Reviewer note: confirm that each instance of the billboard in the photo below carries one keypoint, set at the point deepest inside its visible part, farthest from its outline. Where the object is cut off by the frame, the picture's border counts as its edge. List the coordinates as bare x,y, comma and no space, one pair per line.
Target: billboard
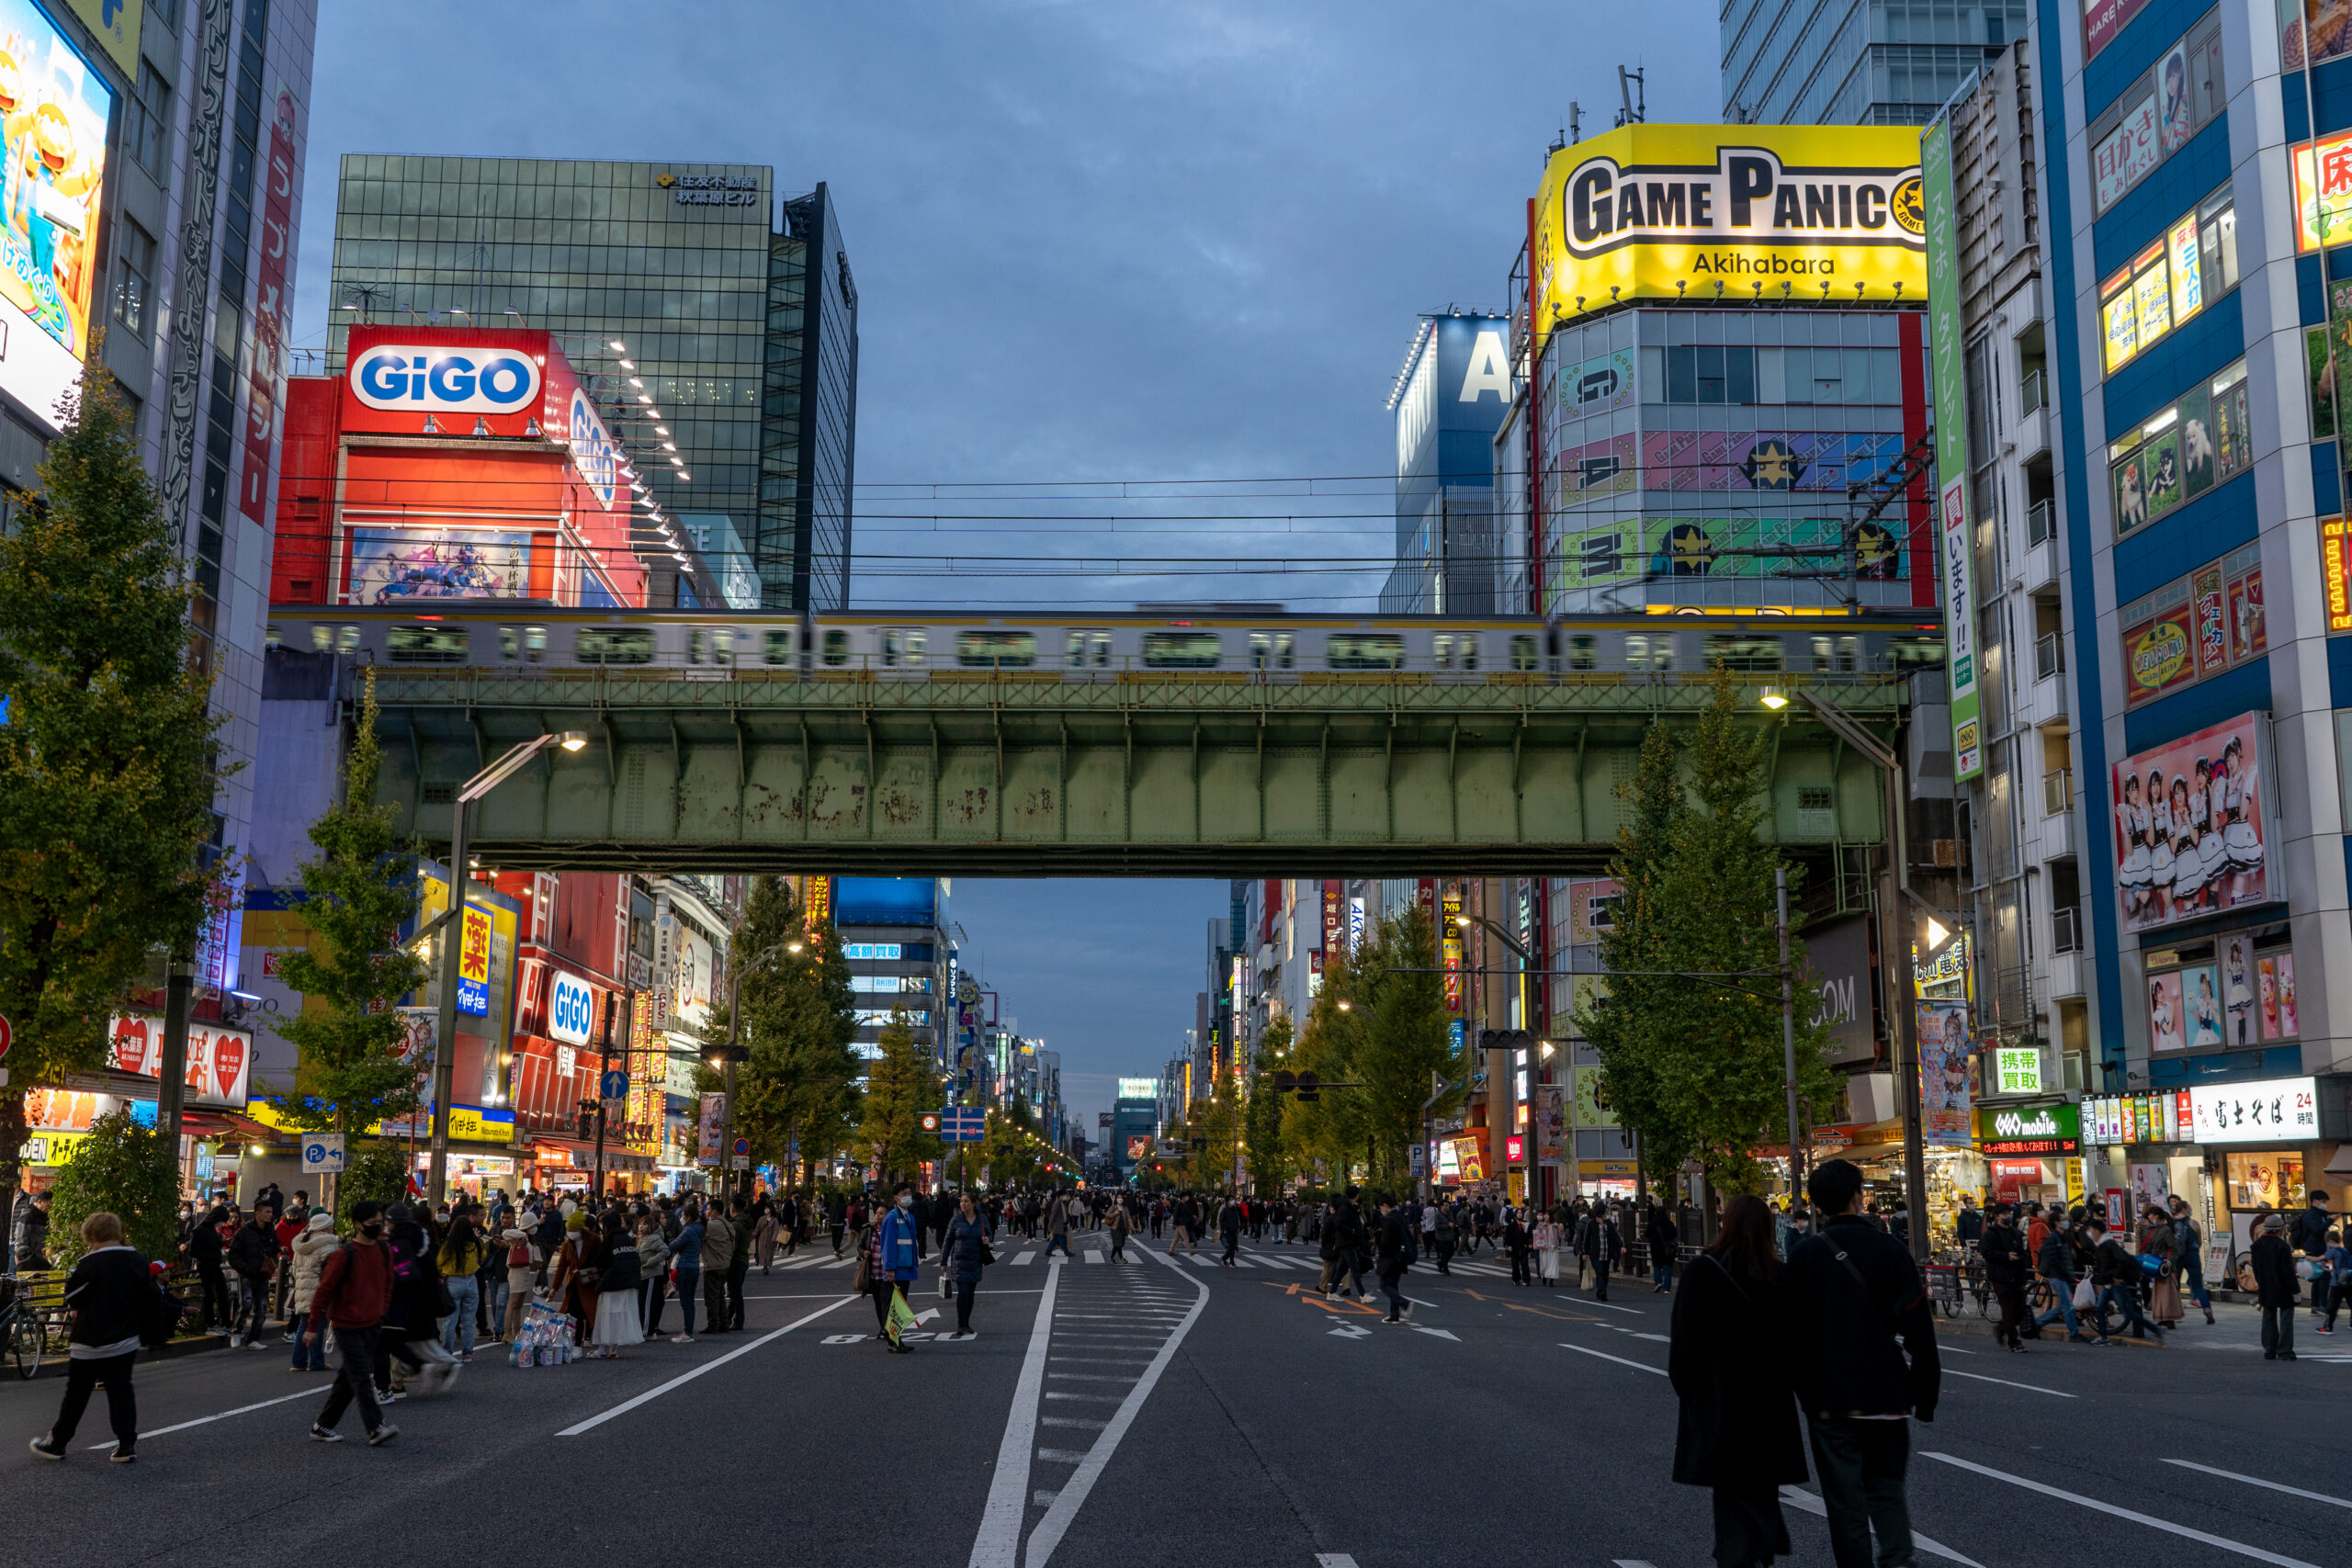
1837,954
53,115
886,901
391,566
1139,1088
1959,557
1706,211
219,1061
690,982
2193,834
571,1009
1945,1100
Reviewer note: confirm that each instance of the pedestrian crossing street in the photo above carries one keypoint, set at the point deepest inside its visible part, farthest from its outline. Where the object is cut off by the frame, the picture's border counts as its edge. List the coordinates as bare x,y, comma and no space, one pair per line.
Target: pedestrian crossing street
1305,1259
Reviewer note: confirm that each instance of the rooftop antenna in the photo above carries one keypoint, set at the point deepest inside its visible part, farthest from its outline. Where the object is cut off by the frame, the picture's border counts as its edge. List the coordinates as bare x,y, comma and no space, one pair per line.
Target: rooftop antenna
1631,95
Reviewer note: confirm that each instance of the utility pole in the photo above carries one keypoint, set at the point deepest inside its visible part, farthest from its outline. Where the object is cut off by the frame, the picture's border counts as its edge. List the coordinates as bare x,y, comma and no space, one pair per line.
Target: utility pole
1788,1030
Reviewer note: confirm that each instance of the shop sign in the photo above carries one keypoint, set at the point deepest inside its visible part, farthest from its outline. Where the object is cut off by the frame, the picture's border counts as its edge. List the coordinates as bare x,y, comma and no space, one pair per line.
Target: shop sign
2017,1070
2275,1110
2032,1130
473,964
571,1008
219,1061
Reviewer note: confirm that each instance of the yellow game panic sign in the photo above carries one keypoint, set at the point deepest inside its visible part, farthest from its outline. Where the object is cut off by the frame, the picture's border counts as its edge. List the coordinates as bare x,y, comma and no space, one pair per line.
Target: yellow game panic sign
1770,213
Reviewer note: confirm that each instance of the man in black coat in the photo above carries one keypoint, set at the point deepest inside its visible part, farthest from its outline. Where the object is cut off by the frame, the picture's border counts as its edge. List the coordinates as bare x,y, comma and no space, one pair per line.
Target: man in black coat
2308,1235
1597,1238
1396,1245
1865,1359
2275,1288
2005,1265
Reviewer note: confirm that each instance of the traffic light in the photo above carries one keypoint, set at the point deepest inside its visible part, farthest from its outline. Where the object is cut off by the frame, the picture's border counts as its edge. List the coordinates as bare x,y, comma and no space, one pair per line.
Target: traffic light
1506,1040
722,1054
584,1123
1309,1086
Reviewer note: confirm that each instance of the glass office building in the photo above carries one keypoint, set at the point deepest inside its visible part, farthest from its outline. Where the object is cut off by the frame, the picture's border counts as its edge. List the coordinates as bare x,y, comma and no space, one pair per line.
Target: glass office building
1838,63
742,334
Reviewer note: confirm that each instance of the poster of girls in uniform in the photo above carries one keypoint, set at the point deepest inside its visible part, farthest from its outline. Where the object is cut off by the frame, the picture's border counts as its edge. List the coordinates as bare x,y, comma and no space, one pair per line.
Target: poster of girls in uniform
2192,832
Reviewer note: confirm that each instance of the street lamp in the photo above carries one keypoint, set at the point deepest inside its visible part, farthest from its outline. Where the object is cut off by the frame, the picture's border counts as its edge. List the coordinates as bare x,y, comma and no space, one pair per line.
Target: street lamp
444,1041
1892,898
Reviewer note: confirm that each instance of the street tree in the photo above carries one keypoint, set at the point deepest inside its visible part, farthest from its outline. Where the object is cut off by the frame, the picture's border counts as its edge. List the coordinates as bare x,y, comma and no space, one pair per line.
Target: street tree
354,1067
108,761
901,1085
1626,1018
1261,1138
1387,1040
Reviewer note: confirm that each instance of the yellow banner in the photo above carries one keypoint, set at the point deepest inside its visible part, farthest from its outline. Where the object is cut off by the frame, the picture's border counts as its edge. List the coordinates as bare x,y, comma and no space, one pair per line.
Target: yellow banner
1737,212
115,24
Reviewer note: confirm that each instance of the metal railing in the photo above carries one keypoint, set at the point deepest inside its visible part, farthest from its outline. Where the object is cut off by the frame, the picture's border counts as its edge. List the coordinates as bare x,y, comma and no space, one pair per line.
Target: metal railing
2041,522
2066,930
2057,791
2033,391
2049,656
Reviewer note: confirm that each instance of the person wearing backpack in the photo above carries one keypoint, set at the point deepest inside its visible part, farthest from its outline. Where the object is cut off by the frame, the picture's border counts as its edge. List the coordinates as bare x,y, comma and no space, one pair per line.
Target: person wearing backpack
116,1306
355,1293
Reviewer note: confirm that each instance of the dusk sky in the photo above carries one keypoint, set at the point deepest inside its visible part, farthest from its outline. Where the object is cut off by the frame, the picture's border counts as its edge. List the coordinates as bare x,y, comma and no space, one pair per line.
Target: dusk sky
1095,245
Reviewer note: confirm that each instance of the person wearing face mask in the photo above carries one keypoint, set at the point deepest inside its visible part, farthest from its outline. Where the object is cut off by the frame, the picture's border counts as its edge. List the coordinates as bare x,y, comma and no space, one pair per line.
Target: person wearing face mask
895,1255
2057,1262
354,1290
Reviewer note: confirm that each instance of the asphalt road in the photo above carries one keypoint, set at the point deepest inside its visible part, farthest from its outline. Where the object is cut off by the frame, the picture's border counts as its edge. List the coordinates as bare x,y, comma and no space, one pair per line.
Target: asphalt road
1177,1413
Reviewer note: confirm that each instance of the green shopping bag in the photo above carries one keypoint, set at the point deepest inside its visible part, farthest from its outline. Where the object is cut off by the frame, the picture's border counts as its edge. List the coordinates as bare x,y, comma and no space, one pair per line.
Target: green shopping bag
902,1316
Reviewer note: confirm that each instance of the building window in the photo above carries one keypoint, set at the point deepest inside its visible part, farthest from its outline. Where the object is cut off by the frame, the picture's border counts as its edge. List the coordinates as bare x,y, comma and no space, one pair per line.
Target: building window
136,272
147,121
2191,265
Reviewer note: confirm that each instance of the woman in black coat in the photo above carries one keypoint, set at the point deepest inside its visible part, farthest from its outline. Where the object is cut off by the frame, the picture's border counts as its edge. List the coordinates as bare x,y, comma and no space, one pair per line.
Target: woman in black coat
1737,1431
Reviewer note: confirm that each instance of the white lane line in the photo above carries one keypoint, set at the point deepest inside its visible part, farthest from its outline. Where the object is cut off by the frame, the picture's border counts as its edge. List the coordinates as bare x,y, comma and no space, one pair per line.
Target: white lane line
1062,1456
1630,1562
310,1392
683,1378
2030,1388
2084,1500
998,1543
1334,1560
1637,1366
1057,1522
1796,1497
1608,1306
2226,1475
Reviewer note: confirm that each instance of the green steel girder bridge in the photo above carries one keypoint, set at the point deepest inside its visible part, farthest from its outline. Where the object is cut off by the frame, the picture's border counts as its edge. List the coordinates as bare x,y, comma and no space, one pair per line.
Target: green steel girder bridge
1038,773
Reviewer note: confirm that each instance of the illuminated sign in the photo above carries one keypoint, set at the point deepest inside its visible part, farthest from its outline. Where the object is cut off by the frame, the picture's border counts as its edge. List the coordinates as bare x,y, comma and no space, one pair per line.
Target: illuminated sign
712,190
594,451
1139,1088
2017,1068
2041,1129
876,951
54,137
2323,192
1959,586
473,964
219,1061
571,1008
2275,1110
2335,571
1687,211
421,379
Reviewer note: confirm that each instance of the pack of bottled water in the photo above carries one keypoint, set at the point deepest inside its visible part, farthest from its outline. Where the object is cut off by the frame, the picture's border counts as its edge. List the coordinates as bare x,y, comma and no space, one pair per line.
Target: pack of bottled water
547,1339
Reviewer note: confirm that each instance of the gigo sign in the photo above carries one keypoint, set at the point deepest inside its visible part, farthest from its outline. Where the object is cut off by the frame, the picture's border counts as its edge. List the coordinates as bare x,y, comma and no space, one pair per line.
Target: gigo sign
594,451
445,380
571,1008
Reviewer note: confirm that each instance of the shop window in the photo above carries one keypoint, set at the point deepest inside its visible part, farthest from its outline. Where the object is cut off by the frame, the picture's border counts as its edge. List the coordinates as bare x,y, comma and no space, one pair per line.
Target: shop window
2198,441
2192,264
2272,1179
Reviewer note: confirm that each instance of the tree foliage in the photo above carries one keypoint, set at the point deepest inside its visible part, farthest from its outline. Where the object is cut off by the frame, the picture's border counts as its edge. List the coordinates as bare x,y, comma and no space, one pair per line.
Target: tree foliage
1695,1064
376,1168
801,1081
901,1085
108,765
360,888
1263,1155
124,1169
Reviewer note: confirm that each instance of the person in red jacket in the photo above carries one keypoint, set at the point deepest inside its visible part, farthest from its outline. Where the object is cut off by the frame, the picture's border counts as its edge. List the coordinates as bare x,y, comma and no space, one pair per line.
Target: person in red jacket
355,1293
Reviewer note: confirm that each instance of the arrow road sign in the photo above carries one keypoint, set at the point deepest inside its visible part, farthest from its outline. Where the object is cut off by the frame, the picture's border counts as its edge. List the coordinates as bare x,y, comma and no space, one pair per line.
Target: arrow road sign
614,1085
323,1154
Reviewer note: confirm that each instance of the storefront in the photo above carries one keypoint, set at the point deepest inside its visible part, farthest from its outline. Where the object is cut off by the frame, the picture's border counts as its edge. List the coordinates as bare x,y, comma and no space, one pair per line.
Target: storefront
2032,1153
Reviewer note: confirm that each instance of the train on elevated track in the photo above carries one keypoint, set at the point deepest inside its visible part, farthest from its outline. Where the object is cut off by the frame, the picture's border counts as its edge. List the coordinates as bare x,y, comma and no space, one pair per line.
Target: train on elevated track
1226,641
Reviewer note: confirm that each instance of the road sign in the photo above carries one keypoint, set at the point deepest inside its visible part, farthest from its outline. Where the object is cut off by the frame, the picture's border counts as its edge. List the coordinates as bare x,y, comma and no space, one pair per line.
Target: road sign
323,1154
614,1085
742,1147
7,1035
963,1124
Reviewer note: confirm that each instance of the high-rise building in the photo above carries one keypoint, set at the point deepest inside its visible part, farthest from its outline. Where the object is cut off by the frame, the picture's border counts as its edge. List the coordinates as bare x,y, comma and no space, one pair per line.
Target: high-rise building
893,931
1878,63
730,317
1450,398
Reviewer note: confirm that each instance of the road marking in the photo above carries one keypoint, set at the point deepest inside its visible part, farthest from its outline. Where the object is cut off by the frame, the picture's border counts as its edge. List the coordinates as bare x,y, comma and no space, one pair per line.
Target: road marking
1664,1339
1633,1563
716,1361
1094,1257
1087,1398
1796,1497
998,1545
1608,1306
1441,1333
1089,1377
1637,1366
1980,1377
2084,1500
2226,1474
1351,1331
1024,1258
1072,1421
310,1392
1062,1456
1334,1560
1057,1522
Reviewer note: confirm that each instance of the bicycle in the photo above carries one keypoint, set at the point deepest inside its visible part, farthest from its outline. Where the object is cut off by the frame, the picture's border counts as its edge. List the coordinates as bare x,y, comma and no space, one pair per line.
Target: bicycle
27,1321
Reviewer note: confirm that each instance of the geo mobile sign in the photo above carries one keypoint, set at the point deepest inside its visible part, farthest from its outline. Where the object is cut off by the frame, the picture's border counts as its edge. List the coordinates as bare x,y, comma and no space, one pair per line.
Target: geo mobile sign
1951,453
1747,213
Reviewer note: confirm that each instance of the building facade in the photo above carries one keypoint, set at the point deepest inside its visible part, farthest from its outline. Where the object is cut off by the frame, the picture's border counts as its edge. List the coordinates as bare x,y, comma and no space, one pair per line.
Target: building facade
729,318
1876,63
1453,555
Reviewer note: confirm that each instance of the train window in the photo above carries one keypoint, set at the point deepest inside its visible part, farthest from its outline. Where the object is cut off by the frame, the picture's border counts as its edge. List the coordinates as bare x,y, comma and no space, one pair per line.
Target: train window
426,645
1271,651
613,644
1085,648
715,645
1584,651
837,647
338,639
1837,653
1752,654
903,646
996,651
1523,654
779,646
269,635
1649,650
526,643
1181,650
1914,652
1365,650
1456,650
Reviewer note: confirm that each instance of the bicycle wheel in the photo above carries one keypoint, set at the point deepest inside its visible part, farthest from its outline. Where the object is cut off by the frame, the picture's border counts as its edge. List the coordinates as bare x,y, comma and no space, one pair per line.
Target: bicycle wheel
25,1343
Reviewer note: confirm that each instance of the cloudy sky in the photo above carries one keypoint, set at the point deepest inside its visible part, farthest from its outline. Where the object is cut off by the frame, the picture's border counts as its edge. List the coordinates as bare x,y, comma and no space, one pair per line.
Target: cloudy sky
1098,247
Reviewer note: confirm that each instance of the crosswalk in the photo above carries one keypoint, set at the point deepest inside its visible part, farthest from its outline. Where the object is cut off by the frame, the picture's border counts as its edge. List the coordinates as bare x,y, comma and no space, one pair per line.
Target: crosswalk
1305,1259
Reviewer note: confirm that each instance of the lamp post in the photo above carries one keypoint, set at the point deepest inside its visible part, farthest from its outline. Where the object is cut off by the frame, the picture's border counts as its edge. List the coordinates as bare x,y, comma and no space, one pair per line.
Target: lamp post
445,1040
736,1051
1894,958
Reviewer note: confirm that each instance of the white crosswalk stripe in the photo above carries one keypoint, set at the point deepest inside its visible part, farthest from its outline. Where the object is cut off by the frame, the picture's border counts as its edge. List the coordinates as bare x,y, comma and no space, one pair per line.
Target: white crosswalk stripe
1026,1257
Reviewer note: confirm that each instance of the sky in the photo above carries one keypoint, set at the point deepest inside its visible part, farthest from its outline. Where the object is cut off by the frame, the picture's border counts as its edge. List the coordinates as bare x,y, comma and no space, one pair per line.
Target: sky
1099,247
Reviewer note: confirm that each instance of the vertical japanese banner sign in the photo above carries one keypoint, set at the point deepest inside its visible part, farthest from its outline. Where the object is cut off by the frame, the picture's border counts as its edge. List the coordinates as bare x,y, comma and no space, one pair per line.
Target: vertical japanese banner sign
473,964
1450,937
269,313
818,904
1951,450
1334,919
